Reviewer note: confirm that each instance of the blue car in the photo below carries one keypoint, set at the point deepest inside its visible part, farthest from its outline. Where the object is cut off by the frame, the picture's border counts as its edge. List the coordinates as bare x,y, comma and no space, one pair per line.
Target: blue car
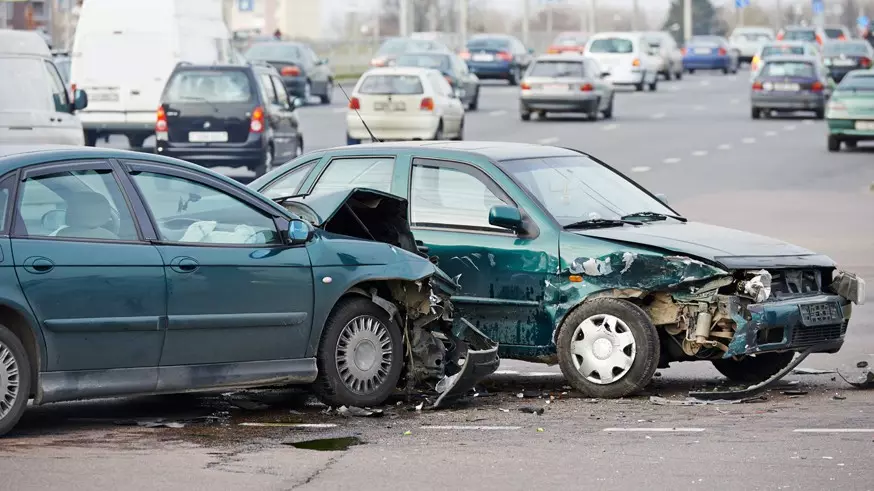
709,53
497,56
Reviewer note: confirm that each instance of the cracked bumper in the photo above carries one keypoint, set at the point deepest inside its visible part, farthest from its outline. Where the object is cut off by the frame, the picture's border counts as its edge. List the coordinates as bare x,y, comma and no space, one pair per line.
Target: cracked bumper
477,359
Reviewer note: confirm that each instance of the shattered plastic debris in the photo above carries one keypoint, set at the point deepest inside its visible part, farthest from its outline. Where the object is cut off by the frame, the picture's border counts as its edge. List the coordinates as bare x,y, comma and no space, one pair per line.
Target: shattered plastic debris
794,392
838,397
810,371
691,401
359,412
540,430
420,406
531,410
867,382
503,410
408,433
248,405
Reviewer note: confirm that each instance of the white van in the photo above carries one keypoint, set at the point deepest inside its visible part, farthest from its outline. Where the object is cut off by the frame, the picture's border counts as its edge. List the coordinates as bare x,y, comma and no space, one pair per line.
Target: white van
628,58
124,50
35,107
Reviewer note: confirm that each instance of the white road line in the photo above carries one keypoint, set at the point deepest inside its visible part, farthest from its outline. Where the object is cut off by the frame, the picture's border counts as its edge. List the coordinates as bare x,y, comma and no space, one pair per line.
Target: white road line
642,168
506,372
671,160
770,133
724,146
610,127
699,153
834,430
499,112
705,82
292,425
548,141
480,428
657,430
674,88
339,110
749,140
789,127
658,116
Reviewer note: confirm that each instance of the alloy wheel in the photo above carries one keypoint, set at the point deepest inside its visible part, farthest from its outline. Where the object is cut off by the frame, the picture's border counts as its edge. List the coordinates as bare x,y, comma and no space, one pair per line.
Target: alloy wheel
9,381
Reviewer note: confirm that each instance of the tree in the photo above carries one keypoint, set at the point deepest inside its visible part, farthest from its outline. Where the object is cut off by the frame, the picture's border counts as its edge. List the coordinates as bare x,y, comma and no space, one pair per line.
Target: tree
705,19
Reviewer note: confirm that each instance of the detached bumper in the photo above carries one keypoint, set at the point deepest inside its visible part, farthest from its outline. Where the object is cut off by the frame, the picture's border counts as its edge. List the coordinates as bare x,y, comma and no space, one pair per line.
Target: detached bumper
478,359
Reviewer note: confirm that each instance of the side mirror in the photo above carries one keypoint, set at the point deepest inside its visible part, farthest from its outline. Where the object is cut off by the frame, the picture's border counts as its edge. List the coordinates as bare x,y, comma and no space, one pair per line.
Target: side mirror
507,217
531,51
299,232
605,74
80,100
296,102
662,198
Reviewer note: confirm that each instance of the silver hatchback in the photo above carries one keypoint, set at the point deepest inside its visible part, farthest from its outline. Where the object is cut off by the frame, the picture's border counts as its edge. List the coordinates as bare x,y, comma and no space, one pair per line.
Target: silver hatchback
566,83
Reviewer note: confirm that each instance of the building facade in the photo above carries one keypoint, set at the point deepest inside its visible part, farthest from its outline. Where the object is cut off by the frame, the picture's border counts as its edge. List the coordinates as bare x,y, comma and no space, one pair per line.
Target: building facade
299,19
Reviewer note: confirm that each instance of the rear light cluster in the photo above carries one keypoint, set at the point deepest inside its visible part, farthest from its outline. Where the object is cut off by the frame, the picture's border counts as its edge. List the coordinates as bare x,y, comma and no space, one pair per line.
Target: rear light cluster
636,62
290,71
525,86
354,103
722,52
586,88
758,86
465,55
504,56
863,62
256,125
427,104
817,87
683,50
161,121
818,39
780,36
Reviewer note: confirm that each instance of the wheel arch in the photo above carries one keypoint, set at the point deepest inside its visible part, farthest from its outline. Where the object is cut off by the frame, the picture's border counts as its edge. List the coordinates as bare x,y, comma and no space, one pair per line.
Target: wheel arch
25,328
631,295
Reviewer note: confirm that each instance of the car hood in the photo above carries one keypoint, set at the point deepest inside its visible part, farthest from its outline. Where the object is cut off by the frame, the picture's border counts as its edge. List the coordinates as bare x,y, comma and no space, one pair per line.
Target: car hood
729,248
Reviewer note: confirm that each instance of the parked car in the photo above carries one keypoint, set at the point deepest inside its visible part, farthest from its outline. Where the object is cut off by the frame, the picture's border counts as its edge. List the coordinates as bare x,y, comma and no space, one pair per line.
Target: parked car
403,103
260,295
35,106
228,116
850,111
628,57
842,57
393,47
780,48
303,72
670,55
807,34
789,84
562,258
747,41
566,84
497,56
710,53
453,68
568,42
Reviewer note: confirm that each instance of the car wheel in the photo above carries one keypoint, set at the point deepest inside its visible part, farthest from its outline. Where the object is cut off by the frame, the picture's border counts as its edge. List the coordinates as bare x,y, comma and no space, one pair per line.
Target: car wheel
136,141
608,348
360,356
298,149
14,380
474,103
691,71
329,93
639,87
266,162
756,113
608,113
667,75
654,85
679,75
820,114
834,144
525,116
725,71
90,138
753,369
460,135
851,144
594,111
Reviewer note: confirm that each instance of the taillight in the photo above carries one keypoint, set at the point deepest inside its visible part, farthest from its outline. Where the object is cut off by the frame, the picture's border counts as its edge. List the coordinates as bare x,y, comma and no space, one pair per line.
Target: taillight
465,55
636,62
427,104
73,88
865,62
504,56
758,86
525,86
587,88
818,39
842,38
780,36
683,50
257,123
378,62
161,120
553,51
354,103
817,87
722,52
290,71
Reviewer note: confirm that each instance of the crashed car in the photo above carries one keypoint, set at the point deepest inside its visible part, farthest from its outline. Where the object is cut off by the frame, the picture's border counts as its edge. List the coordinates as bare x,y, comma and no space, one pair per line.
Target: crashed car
561,258
133,274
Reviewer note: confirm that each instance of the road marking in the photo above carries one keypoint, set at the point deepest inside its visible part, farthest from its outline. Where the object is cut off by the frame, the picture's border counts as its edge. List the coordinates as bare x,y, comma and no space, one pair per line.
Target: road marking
834,430
671,160
749,140
480,428
659,430
658,116
291,425
642,168
339,110
674,88
499,112
699,153
789,127
770,133
724,146
506,372
548,141
705,82
610,127
735,101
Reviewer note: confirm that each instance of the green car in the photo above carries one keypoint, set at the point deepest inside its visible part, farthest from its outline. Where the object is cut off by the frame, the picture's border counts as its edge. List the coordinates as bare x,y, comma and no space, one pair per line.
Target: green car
124,273
562,259
850,113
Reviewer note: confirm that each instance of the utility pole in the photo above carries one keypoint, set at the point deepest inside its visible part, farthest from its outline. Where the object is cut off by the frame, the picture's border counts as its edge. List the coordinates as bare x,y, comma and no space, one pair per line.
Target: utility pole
526,19
687,20
635,13
549,13
593,13
404,18
462,21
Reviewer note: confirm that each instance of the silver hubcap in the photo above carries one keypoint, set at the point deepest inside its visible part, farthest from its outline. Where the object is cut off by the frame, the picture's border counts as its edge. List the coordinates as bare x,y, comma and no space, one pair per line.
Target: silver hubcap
364,354
8,381
603,349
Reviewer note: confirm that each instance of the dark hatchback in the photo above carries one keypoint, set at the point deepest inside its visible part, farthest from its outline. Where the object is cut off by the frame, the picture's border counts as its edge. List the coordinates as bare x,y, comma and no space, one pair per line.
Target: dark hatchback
303,72
228,116
497,56
842,57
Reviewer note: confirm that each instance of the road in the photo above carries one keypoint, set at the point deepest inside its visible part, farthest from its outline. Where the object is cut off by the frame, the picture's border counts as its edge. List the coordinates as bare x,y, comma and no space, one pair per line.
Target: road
693,141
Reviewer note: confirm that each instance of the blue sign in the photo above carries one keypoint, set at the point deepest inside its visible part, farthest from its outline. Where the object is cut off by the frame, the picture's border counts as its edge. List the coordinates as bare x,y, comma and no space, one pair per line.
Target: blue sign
246,5
741,3
862,21
818,7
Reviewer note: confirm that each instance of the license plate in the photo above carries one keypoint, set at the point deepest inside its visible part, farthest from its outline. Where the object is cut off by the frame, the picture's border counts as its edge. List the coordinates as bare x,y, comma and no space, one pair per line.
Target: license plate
703,51
787,87
865,125
389,107
556,88
208,136
103,97
483,58
840,62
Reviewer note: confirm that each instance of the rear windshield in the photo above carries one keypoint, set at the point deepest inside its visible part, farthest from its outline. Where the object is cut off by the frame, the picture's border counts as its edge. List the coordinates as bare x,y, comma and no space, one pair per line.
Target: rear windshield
800,35
834,33
403,45
612,45
857,82
495,44
273,51
789,69
210,86
437,62
24,85
832,49
557,69
391,84
782,50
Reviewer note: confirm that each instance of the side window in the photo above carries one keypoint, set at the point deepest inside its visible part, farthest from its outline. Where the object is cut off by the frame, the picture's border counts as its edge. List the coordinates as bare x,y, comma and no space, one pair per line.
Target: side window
440,85
519,47
312,56
460,66
189,212
59,91
6,186
267,88
451,196
279,87
84,204
288,184
358,172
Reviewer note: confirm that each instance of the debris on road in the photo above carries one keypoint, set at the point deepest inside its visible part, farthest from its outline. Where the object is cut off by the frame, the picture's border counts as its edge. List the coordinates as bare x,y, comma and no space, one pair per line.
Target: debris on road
289,425
358,412
862,364
531,410
794,392
691,401
867,382
328,444
810,371
248,405
838,397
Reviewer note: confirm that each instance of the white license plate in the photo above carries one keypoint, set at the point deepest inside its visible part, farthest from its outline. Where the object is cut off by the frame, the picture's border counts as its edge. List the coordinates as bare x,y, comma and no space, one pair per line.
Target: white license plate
865,125
208,136
787,87
840,62
483,58
556,88
385,106
103,97
703,51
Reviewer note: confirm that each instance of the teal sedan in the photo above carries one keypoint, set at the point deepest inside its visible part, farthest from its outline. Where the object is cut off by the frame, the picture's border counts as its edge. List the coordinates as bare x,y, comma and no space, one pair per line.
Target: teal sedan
124,273
850,113
560,258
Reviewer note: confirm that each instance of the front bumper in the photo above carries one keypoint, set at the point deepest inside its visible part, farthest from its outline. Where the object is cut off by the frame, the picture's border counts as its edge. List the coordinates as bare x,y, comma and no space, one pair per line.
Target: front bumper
575,104
789,101
847,127
480,359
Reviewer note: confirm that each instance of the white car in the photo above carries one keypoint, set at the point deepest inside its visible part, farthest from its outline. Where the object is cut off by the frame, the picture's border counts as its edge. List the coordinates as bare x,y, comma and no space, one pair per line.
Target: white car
404,103
747,41
628,57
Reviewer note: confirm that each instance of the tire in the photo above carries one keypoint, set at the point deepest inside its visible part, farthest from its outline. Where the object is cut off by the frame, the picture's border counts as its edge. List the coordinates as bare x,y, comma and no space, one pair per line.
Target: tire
266,162
514,76
307,92
834,144
654,85
329,93
135,141
639,87
756,113
90,138
691,71
753,369
474,103
851,144
438,135
460,136
357,313
667,75
298,150
645,345
594,112
820,114
608,113
679,75
725,71
12,351
524,116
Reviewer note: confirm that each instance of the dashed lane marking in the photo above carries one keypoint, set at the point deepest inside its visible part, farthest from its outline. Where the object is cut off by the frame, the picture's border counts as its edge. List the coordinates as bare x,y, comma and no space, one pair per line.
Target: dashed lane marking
499,112
642,168
507,372
833,430
699,153
339,110
770,133
808,121
705,83
610,127
467,427
674,88
724,146
789,127
749,140
658,116
671,160
656,430
548,141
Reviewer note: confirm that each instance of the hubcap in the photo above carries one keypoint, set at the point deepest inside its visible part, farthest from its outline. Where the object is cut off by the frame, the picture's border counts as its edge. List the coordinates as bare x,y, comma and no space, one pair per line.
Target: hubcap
603,349
8,380
364,354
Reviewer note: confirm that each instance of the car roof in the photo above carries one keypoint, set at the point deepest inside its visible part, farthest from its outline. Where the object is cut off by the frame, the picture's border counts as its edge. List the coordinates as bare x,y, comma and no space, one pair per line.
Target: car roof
426,53
612,34
499,151
487,35
14,42
799,28
791,42
398,70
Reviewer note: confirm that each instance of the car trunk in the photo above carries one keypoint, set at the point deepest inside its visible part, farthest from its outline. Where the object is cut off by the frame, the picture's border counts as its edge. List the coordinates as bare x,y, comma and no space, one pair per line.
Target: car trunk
391,104
203,117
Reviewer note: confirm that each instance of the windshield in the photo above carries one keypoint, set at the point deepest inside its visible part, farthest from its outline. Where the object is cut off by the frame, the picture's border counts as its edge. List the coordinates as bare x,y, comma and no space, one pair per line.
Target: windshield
391,84
577,188
492,44
782,50
210,85
274,51
556,69
857,82
402,45
800,35
24,86
437,62
612,45
834,32
833,49
789,69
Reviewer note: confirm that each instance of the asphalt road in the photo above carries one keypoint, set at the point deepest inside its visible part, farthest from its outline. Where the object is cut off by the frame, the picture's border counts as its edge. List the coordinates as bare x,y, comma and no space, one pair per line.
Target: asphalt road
692,140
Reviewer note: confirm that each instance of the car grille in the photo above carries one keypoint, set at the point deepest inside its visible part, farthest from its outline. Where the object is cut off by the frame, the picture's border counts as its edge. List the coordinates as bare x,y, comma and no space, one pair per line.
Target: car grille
809,336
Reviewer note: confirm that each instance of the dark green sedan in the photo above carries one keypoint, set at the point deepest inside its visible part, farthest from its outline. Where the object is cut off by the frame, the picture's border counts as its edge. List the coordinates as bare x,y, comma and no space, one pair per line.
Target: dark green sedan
123,273
562,259
850,114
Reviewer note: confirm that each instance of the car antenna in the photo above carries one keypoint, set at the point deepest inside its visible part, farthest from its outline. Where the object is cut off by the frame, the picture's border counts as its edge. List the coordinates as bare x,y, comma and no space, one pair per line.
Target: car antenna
358,113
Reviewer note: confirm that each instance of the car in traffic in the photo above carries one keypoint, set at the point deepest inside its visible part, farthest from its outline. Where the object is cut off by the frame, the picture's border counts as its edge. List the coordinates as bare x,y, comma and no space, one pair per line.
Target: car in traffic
35,105
850,113
789,84
453,68
403,103
836,33
779,48
133,273
842,57
303,72
710,53
568,42
566,83
627,57
748,40
391,48
497,56
561,258
808,34
669,54
228,116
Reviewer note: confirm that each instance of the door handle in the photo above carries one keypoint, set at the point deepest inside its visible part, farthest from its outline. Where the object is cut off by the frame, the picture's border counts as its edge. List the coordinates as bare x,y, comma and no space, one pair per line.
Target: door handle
38,265
184,265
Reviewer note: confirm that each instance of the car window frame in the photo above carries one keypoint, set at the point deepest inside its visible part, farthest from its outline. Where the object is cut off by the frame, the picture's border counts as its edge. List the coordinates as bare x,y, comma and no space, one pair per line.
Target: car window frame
322,168
268,86
11,179
57,81
278,86
266,187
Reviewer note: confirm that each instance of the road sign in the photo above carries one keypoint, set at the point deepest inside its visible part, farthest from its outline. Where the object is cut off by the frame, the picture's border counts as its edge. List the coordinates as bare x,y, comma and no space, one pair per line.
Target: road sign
862,21
245,5
741,3
818,7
